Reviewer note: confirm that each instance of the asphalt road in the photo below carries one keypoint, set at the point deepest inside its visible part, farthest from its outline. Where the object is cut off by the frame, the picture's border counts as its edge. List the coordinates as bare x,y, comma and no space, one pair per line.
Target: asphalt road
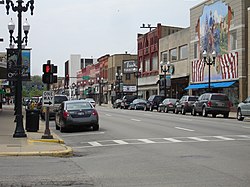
138,148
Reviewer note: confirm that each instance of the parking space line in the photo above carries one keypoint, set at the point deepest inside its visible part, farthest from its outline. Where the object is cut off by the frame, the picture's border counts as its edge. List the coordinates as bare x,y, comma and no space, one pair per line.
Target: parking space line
135,119
185,129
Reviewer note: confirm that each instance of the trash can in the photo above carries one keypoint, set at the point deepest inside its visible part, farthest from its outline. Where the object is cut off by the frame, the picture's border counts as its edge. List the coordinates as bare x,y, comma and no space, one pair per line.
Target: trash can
32,120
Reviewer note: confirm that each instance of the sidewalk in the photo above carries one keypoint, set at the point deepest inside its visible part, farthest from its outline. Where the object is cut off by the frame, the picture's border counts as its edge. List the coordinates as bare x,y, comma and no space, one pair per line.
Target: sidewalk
33,145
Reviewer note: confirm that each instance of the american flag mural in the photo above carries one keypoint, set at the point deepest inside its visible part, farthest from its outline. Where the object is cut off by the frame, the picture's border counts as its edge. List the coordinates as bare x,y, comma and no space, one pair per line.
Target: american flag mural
229,65
228,68
198,70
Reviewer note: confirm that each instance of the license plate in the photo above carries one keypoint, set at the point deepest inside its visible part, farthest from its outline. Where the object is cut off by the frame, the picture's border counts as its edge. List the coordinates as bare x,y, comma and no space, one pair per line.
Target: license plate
220,104
170,105
80,113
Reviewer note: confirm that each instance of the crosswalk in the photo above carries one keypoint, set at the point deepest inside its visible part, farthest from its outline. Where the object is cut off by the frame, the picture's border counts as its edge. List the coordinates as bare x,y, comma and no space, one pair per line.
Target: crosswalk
106,143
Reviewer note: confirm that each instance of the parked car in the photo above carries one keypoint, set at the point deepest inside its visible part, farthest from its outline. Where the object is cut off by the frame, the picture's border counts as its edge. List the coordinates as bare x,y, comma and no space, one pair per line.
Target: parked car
76,113
91,100
58,99
117,103
243,109
212,103
138,104
126,100
154,101
167,105
185,104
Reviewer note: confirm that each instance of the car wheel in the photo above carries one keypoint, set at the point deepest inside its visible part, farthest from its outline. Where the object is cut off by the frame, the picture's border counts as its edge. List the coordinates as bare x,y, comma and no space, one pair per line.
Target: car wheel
204,112
176,110
166,110
214,115
183,111
193,111
96,127
62,129
226,115
57,127
239,115
158,109
151,108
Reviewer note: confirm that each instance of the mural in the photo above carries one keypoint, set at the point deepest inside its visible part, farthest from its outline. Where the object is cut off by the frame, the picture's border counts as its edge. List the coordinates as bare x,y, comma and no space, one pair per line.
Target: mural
213,32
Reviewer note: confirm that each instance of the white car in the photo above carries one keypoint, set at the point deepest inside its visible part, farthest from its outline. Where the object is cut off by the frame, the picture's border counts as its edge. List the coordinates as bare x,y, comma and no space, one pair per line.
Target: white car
91,100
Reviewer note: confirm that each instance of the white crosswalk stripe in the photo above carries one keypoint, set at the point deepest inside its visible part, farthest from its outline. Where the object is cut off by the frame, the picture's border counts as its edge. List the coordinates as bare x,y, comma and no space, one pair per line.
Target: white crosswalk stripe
172,140
223,138
120,142
198,139
146,141
106,143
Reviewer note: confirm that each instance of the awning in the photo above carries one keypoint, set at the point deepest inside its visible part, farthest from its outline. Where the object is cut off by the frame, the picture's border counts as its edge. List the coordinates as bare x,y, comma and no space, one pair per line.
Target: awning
212,85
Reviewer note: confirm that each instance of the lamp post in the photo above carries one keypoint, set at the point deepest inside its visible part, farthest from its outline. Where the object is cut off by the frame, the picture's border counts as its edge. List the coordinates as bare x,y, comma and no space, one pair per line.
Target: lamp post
165,70
90,89
209,61
100,81
137,73
119,80
19,131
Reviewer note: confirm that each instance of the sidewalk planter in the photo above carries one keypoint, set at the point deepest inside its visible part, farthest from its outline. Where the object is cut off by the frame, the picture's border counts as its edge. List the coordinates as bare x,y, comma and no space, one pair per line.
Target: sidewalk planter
32,120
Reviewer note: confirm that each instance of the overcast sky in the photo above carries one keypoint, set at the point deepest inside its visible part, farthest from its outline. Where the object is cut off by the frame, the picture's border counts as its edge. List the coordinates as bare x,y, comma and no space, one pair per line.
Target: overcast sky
91,28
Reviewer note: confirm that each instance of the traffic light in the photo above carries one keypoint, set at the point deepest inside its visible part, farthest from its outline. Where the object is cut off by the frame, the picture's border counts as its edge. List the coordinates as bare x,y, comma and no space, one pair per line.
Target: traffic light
48,73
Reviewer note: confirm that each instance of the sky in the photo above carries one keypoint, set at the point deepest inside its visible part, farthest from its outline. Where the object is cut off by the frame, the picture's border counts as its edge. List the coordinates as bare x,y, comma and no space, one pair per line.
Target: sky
91,28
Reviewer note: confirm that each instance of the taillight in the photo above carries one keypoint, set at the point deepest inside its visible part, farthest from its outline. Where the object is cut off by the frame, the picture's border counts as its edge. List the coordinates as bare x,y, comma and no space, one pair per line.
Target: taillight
209,103
94,113
230,104
65,114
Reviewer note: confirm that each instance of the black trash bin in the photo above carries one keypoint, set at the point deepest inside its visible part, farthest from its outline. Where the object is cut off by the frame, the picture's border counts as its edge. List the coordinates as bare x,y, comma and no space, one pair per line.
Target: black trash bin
32,120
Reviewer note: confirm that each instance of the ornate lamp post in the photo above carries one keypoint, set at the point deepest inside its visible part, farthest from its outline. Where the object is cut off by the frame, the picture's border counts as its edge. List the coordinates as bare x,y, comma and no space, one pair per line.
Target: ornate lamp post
119,80
19,132
165,70
90,89
209,61
100,81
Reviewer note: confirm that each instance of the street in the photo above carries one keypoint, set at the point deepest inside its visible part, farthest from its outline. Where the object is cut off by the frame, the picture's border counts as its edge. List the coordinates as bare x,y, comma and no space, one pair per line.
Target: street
142,148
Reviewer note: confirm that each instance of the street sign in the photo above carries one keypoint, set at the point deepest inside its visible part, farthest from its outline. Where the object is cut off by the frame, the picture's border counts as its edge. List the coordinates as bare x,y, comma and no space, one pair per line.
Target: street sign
85,77
48,98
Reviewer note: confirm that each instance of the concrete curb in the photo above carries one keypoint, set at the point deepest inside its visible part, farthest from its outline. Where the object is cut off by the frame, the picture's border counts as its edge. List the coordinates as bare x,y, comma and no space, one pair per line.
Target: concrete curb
68,152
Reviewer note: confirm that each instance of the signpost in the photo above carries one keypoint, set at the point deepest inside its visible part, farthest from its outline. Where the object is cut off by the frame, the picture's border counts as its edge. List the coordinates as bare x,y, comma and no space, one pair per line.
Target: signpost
48,98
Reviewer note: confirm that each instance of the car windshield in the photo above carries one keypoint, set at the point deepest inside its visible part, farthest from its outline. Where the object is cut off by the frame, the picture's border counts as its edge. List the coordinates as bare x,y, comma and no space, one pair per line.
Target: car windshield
78,106
219,97
139,101
60,99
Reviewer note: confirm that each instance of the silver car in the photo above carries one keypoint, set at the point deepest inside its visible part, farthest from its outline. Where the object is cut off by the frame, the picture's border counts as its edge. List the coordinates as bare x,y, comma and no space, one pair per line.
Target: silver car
243,109
76,113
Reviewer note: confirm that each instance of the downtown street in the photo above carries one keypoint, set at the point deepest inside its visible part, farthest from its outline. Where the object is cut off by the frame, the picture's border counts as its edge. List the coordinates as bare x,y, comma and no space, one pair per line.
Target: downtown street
141,148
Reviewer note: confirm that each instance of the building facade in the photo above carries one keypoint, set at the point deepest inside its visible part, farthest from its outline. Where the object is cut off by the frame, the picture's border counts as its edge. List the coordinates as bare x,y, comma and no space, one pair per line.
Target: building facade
148,58
220,27
174,49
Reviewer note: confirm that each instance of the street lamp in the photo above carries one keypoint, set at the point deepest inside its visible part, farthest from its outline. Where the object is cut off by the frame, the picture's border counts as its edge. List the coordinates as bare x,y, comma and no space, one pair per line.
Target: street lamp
119,80
90,89
19,131
100,81
209,62
137,73
164,70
